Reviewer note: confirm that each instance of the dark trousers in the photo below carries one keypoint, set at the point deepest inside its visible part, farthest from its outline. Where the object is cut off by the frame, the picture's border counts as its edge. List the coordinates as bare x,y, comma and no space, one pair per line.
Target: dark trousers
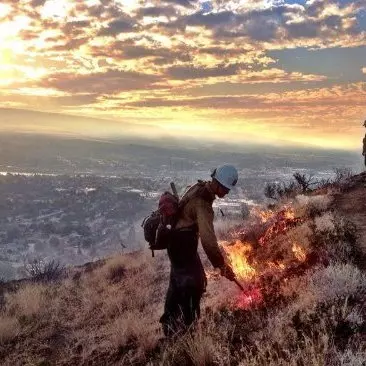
182,304
186,286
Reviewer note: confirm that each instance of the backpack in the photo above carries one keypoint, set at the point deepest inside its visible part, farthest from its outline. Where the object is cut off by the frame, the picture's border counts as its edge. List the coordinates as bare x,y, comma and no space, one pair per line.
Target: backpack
159,226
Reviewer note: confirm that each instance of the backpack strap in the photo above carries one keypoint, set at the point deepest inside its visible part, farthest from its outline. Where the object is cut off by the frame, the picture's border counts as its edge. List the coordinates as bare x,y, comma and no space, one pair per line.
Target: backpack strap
199,189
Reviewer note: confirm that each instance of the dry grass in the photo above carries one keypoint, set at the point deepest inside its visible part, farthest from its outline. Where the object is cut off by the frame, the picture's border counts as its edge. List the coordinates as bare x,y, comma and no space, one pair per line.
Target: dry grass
312,352
110,314
9,328
28,301
134,328
325,222
204,345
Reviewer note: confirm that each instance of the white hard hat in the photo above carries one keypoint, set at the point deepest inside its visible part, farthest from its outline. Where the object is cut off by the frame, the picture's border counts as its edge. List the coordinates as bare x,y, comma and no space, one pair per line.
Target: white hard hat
226,175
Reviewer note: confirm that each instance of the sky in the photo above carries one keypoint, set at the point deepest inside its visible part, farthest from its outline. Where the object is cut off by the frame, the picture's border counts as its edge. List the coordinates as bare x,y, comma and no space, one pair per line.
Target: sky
259,71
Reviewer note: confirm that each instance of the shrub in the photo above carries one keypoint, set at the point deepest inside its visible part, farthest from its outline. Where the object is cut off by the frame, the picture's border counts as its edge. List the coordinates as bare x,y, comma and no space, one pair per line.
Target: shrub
270,191
336,281
311,206
40,271
304,181
337,237
279,191
342,175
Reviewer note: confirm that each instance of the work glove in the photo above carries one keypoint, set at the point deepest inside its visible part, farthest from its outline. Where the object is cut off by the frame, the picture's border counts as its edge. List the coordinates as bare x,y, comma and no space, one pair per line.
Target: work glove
227,271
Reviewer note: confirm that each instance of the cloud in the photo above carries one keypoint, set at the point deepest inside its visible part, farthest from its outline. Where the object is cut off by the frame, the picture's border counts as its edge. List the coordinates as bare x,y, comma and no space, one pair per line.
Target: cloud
118,26
157,11
192,72
285,23
71,44
205,57
37,3
185,3
219,102
324,99
128,50
78,25
109,82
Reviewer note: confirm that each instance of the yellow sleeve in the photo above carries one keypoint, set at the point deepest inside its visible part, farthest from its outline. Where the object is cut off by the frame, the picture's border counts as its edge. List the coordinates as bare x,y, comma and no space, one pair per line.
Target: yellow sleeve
205,217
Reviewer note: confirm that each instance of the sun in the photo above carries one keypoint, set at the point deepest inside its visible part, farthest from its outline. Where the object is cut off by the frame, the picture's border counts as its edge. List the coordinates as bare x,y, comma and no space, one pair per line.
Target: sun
4,10
10,44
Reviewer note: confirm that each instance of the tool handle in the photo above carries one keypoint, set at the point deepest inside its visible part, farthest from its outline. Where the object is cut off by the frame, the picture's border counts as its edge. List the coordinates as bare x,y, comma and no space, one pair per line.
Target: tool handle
239,284
174,189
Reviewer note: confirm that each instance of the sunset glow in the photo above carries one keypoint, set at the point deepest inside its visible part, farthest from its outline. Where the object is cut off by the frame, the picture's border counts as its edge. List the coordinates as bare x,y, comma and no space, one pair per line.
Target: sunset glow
273,71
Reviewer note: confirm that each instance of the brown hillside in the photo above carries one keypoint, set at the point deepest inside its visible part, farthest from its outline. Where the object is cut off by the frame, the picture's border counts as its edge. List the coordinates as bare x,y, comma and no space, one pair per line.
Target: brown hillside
303,304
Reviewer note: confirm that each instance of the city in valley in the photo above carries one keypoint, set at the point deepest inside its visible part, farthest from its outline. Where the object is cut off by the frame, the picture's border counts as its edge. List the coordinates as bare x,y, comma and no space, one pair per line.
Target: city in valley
78,200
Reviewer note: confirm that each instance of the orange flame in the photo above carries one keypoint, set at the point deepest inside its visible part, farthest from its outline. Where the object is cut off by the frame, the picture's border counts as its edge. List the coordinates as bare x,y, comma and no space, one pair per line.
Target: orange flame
268,226
238,254
299,252
289,214
265,215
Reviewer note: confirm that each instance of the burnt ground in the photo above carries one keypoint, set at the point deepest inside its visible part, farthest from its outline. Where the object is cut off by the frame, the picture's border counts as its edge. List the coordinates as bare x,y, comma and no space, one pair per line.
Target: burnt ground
351,203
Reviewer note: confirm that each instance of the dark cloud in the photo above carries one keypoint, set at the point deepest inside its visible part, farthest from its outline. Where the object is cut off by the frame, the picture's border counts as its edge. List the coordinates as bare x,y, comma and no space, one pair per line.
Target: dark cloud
262,29
185,3
127,50
71,44
257,24
77,24
76,100
316,8
36,3
221,102
116,27
210,20
222,51
247,102
156,11
106,10
333,21
267,24
75,28
28,35
331,25
132,52
303,30
191,72
111,81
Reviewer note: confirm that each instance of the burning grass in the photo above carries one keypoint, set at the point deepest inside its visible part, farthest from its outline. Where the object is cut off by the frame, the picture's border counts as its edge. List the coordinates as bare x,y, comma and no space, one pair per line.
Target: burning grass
303,303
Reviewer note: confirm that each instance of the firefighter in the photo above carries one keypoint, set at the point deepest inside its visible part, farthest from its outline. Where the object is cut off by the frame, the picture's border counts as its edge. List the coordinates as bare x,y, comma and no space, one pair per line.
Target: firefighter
187,277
